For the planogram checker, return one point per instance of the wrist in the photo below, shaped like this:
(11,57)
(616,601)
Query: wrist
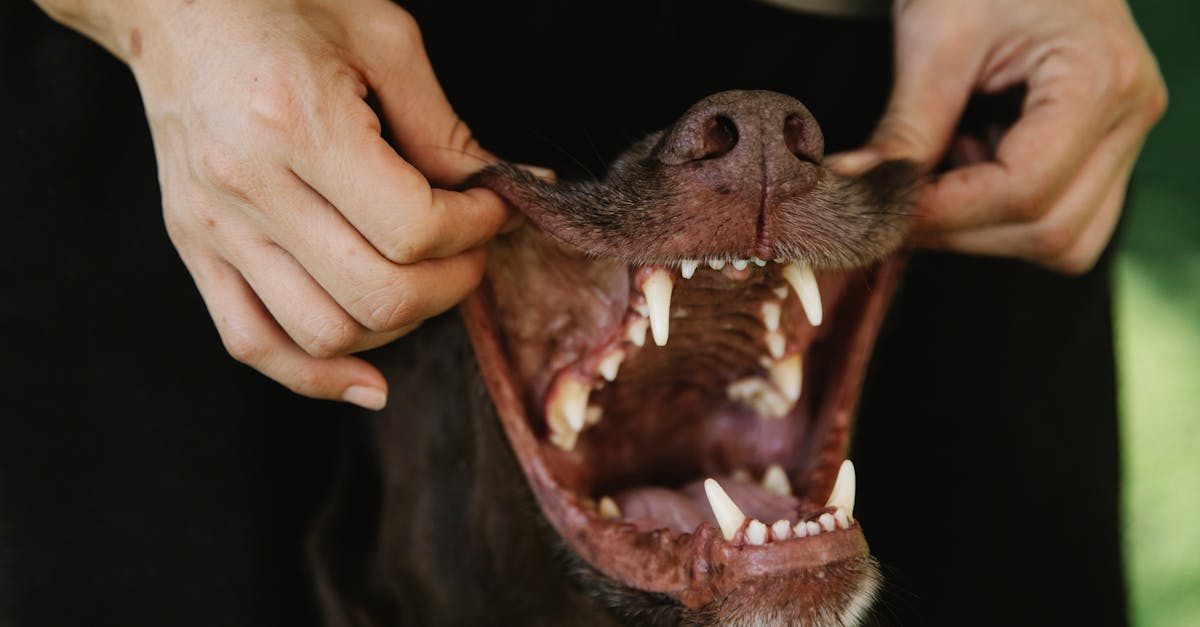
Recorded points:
(107,22)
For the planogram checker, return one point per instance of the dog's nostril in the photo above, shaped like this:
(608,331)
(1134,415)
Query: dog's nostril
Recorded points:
(797,138)
(720,136)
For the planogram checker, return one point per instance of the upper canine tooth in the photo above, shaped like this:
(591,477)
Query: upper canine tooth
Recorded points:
(842,495)
(687,267)
(716,264)
(771,312)
(740,264)
(801,278)
(729,516)
(610,363)
(788,374)
(657,289)
(775,481)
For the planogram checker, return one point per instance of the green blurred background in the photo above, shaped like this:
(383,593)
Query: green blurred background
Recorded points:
(1158,337)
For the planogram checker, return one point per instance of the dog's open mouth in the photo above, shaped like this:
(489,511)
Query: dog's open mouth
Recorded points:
(675,353)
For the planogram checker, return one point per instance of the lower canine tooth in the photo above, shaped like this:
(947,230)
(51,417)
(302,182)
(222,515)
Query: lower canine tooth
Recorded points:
(756,533)
(842,496)
(788,375)
(801,278)
(729,516)
(687,267)
(780,530)
(775,481)
(609,509)
(657,289)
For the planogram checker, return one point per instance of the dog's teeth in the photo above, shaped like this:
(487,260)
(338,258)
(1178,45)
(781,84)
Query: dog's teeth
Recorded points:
(788,375)
(839,516)
(610,363)
(756,533)
(842,495)
(568,406)
(758,262)
(776,344)
(780,530)
(781,292)
(801,278)
(775,481)
(687,267)
(758,394)
(801,529)
(813,528)
(727,513)
(771,312)
(594,415)
(740,264)
(657,289)
(636,331)
(716,264)
(609,510)
(827,522)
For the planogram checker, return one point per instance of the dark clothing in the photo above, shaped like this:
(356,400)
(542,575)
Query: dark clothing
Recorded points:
(148,479)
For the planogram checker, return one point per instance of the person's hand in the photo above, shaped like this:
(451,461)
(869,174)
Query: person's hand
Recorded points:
(308,236)
(1055,186)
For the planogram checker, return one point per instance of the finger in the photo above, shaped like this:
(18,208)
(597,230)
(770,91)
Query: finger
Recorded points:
(423,124)
(1060,125)
(305,311)
(389,202)
(252,337)
(1083,254)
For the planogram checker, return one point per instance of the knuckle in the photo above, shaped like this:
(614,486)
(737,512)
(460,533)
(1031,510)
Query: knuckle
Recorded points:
(332,337)
(1072,265)
(243,346)
(1048,242)
(222,168)
(307,380)
(408,249)
(274,103)
(385,313)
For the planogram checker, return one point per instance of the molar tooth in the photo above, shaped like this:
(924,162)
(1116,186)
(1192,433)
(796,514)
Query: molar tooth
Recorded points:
(716,264)
(740,264)
(801,529)
(756,533)
(594,415)
(839,515)
(775,481)
(788,375)
(657,289)
(776,344)
(758,262)
(610,363)
(609,510)
(827,522)
(741,474)
(801,278)
(780,530)
(759,395)
(636,331)
(687,267)
(568,406)
(842,495)
(813,528)
(771,312)
(781,292)
(727,513)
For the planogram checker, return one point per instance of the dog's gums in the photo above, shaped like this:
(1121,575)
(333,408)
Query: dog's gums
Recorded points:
(675,353)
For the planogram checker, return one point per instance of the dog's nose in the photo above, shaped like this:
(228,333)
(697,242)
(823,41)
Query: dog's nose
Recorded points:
(749,131)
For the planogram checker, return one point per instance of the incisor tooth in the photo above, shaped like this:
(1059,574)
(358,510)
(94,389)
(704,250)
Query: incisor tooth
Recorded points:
(776,344)
(568,405)
(609,509)
(780,530)
(756,533)
(771,312)
(609,365)
(657,289)
(687,267)
(800,276)
(727,513)
(839,515)
(775,481)
(842,495)
(716,264)
(758,262)
(827,522)
(813,528)
(801,530)
(636,331)
(740,264)
(788,375)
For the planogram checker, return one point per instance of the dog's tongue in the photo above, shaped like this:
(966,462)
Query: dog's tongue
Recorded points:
(682,510)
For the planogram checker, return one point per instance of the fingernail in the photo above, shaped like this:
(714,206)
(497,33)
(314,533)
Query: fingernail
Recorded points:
(857,162)
(365,397)
(546,174)
(513,223)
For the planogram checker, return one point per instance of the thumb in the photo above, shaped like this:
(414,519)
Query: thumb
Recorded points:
(425,128)
(934,77)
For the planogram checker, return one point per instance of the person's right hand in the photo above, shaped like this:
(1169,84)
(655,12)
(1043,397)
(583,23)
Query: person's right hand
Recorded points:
(308,236)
